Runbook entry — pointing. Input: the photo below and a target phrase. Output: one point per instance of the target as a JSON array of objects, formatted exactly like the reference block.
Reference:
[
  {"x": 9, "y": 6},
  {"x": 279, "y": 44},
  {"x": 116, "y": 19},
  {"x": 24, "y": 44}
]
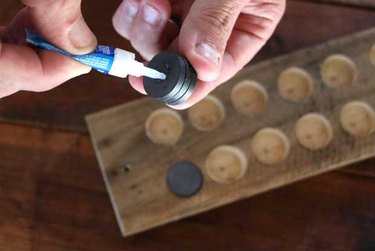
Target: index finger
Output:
[{"x": 61, "y": 23}]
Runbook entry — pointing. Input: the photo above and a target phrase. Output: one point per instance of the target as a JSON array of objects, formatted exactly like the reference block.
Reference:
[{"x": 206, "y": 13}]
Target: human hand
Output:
[
  {"x": 59, "y": 22},
  {"x": 218, "y": 37}
]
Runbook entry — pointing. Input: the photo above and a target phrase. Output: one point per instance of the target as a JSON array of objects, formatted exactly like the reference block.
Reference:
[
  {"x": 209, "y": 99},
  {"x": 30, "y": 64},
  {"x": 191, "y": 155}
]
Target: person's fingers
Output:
[
  {"x": 205, "y": 32},
  {"x": 241, "y": 41},
  {"x": 201, "y": 90},
  {"x": 252, "y": 29},
  {"x": 248, "y": 36},
  {"x": 22, "y": 68},
  {"x": 147, "y": 27},
  {"x": 137, "y": 84},
  {"x": 124, "y": 17},
  {"x": 143, "y": 22},
  {"x": 61, "y": 23}
]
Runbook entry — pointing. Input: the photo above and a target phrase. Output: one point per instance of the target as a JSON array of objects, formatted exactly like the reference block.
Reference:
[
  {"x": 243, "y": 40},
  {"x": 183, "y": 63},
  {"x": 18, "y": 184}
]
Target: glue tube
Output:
[{"x": 105, "y": 59}]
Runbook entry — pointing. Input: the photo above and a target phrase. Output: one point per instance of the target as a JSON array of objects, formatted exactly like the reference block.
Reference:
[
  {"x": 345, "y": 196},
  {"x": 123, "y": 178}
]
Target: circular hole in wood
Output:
[
  {"x": 358, "y": 119},
  {"x": 249, "y": 97},
  {"x": 295, "y": 84},
  {"x": 313, "y": 131},
  {"x": 164, "y": 126},
  {"x": 338, "y": 71},
  {"x": 207, "y": 114},
  {"x": 226, "y": 164},
  {"x": 270, "y": 146}
]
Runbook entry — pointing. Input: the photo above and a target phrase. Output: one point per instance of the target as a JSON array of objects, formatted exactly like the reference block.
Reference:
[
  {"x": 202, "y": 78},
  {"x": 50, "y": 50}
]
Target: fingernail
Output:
[
  {"x": 208, "y": 52},
  {"x": 151, "y": 15},
  {"x": 130, "y": 8},
  {"x": 81, "y": 37}
]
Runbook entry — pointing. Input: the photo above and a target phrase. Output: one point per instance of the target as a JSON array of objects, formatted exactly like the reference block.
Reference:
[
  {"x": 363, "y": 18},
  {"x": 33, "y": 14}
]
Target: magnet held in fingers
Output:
[{"x": 180, "y": 81}]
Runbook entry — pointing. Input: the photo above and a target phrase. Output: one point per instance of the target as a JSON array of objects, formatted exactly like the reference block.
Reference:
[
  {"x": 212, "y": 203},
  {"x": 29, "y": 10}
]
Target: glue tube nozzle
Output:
[
  {"x": 151, "y": 73},
  {"x": 137, "y": 69}
]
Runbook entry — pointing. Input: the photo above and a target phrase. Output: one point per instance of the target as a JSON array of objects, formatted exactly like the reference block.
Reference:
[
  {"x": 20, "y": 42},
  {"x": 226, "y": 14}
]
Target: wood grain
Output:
[
  {"x": 140, "y": 197},
  {"x": 65, "y": 107},
  {"x": 53, "y": 199}
]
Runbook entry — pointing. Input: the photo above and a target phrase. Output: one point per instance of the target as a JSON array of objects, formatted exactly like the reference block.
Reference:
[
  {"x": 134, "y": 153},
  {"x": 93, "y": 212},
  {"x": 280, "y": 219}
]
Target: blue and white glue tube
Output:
[{"x": 105, "y": 59}]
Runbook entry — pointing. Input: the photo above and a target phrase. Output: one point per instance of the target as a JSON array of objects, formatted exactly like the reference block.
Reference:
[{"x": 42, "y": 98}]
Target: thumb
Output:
[
  {"x": 61, "y": 23},
  {"x": 205, "y": 32}
]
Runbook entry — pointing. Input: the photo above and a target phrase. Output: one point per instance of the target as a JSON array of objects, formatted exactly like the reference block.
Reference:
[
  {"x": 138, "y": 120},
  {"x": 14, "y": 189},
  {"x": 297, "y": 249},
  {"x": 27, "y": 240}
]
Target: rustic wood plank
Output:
[
  {"x": 140, "y": 197},
  {"x": 339, "y": 203},
  {"x": 65, "y": 106},
  {"x": 54, "y": 199}
]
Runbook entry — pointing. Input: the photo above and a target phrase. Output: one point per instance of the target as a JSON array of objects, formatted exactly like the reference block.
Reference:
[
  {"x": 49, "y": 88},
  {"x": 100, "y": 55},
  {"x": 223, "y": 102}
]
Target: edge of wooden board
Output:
[{"x": 277, "y": 183}]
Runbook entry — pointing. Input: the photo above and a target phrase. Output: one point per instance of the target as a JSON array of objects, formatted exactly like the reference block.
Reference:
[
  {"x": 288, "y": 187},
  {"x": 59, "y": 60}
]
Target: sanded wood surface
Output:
[
  {"x": 53, "y": 199},
  {"x": 137, "y": 184}
]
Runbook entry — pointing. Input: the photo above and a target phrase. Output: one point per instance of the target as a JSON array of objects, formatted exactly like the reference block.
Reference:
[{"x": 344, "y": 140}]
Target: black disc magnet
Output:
[
  {"x": 179, "y": 83},
  {"x": 184, "y": 179}
]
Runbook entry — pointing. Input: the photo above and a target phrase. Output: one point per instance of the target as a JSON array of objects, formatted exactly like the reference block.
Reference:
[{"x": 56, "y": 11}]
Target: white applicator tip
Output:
[{"x": 151, "y": 73}]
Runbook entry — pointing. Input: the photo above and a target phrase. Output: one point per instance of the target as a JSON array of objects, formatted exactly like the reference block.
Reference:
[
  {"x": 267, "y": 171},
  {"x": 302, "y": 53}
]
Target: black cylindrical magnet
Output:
[
  {"x": 184, "y": 179},
  {"x": 180, "y": 82}
]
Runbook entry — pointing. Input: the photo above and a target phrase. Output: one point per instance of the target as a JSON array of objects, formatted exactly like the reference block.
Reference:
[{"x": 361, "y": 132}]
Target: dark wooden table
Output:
[{"x": 52, "y": 196}]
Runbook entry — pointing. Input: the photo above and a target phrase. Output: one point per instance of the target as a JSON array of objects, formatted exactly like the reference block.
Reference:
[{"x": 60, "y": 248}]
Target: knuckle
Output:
[{"x": 219, "y": 19}]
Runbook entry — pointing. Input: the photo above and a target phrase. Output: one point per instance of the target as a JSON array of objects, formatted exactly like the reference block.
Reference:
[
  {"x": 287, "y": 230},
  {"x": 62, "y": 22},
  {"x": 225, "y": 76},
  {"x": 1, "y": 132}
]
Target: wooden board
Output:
[
  {"x": 53, "y": 199},
  {"x": 65, "y": 107},
  {"x": 134, "y": 169}
]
